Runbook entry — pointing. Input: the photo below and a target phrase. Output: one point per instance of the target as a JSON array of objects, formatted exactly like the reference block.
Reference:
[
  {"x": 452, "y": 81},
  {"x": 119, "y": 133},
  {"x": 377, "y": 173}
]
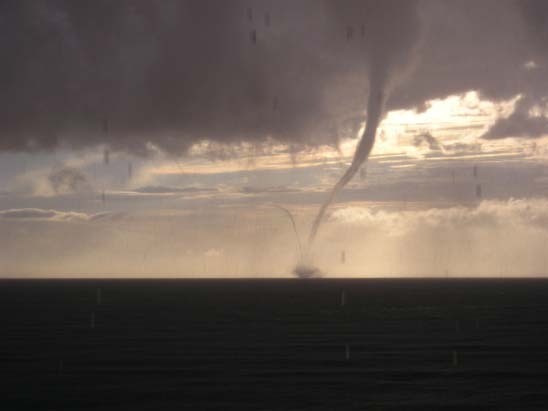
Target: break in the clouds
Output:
[{"x": 138, "y": 75}]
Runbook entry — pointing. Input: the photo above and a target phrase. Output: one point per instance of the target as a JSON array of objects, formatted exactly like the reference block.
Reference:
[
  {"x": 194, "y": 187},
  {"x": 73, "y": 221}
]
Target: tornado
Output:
[
  {"x": 391, "y": 31},
  {"x": 294, "y": 225},
  {"x": 375, "y": 106}
]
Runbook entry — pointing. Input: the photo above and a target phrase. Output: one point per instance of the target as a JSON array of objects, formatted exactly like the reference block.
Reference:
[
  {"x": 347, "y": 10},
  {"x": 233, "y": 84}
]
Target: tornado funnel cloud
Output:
[
  {"x": 374, "y": 114},
  {"x": 390, "y": 30},
  {"x": 294, "y": 226}
]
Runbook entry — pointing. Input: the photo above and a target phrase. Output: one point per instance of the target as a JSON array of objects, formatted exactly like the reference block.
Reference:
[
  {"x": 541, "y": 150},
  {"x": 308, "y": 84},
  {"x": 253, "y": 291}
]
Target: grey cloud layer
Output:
[{"x": 170, "y": 73}]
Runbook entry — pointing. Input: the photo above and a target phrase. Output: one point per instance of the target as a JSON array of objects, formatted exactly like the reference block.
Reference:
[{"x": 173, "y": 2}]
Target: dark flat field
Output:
[{"x": 274, "y": 344}]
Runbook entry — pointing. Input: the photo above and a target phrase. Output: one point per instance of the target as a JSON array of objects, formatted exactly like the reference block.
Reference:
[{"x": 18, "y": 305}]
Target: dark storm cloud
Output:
[
  {"x": 170, "y": 73},
  {"x": 534, "y": 85},
  {"x": 536, "y": 14},
  {"x": 468, "y": 45},
  {"x": 520, "y": 123}
]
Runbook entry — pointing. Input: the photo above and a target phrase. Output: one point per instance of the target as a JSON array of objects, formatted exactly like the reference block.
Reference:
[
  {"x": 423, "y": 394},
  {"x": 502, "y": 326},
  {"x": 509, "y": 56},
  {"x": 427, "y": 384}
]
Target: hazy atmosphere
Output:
[{"x": 171, "y": 138}]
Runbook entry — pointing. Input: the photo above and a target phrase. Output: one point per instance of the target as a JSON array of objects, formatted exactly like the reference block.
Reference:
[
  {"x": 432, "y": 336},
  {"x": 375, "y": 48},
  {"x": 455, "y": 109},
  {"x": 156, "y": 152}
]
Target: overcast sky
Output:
[{"x": 156, "y": 138}]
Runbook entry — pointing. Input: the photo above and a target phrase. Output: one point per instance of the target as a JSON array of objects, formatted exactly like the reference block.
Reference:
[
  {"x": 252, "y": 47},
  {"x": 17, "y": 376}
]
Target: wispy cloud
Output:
[{"x": 40, "y": 214}]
